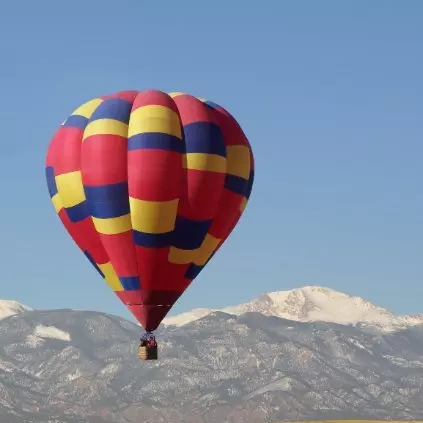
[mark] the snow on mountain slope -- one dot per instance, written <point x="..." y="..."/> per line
<point x="51" y="332"/>
<point x="249" y="368"/>
<point x="311" y="303"/>
<point x="41" y="333"/>
<point x="189" y="316"/>
<point x="10" y="308"/>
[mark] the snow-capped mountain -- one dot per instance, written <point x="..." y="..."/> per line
<point x="68" y="366"/>
<point x="278" y="357"/>
<point x="311" y="304"/>
<point x="10" y="308"/>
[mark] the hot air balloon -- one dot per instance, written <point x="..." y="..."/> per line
<point x="149" y="185"/>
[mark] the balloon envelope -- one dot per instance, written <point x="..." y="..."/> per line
<point x="149" y="185"/>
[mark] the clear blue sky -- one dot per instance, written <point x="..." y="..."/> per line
<point x="329" y="93"/>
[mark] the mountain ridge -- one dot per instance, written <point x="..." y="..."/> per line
<point x="311" y="304"/>
<point x="249" y="368"/>
<point x="11" y="308"/>
<point x="82" y="367"/>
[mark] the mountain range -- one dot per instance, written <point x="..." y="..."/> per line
<point x="311" y="304"/>
<point x="309" y="353"/>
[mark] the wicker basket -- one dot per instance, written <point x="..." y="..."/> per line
<point x="147" y="353"/>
